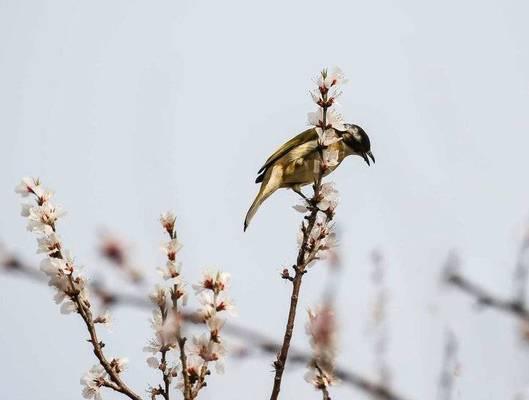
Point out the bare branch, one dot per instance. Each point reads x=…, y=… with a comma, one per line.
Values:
x=449, y=367
x=513, y=306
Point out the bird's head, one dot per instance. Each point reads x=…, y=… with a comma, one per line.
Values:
x=358, y=141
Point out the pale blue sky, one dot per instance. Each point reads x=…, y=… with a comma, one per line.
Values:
x=129, y=108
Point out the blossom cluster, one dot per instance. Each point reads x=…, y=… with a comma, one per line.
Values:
x=321, y=328
x=190, y=365
x=326, y=120
x=71, y=288
x=320, y=242
x=97, y=377
x=211, y=294
x=42, y=216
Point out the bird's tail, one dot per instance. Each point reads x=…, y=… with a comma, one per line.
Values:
x=261, y=196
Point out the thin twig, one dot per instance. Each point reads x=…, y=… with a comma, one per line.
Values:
x=181, y=340
x=449, y=368
x=303, y=259
x=164, y=350
x=487, y=299
x=305, y=256
x=183, y=360
x=84, y=311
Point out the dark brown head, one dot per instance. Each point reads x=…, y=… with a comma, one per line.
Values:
x=358, y=141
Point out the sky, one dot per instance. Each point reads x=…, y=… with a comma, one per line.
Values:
x=130, y=108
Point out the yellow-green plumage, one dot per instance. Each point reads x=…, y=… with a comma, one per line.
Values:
x=293, y=166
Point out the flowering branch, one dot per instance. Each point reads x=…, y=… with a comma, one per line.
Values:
x=316, y=230
x=13, y=264
x=167, y=324
x=71, y=287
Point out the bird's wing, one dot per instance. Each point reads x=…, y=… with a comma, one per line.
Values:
x=297, y=147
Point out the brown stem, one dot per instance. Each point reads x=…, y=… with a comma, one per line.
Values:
x=324, y=391
x=299, y=268
x=279, y=364
x=201, y=382
x=302, y=260
x=166, y=382
x=84, y=311
x=179, y=338
x=183, y=361
x=86, y=314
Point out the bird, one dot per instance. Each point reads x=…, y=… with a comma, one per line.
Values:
x=293, y=164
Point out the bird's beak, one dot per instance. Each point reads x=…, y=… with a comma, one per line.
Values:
x=364, y=156
x=371, y=156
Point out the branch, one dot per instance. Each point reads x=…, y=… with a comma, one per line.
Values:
x=303, y=259
x=307, y=252
x=449, y=367
x=42, y=216
x=485, y=298
x=14, y=265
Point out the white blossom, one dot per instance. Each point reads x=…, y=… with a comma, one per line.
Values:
x=171, y=270
x=68, y=307
x=332, y=79
x=330, y=158
x=214, y=281
x=194, y=366
x=26, y=209
x=119, y=364
x=156, y=320
x=315, y=118
x=159, y=295
x=212, y=304
x=321, y=328
x=153, y=362
x=327, y=137
x=215, y=324
x=316, y=96
x=333, y=119
x=171, y=248
x=42, y=218
x=328, y=197
x=92, y=382
x=167, y=220
x=28, y=186
x=320, y=380
x=104, y=319
x=49, y=243
x=165, y=331
x=153, y=346
x=209, y=351
x=58, y=271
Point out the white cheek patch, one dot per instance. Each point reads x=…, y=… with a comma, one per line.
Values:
x=356, y=134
